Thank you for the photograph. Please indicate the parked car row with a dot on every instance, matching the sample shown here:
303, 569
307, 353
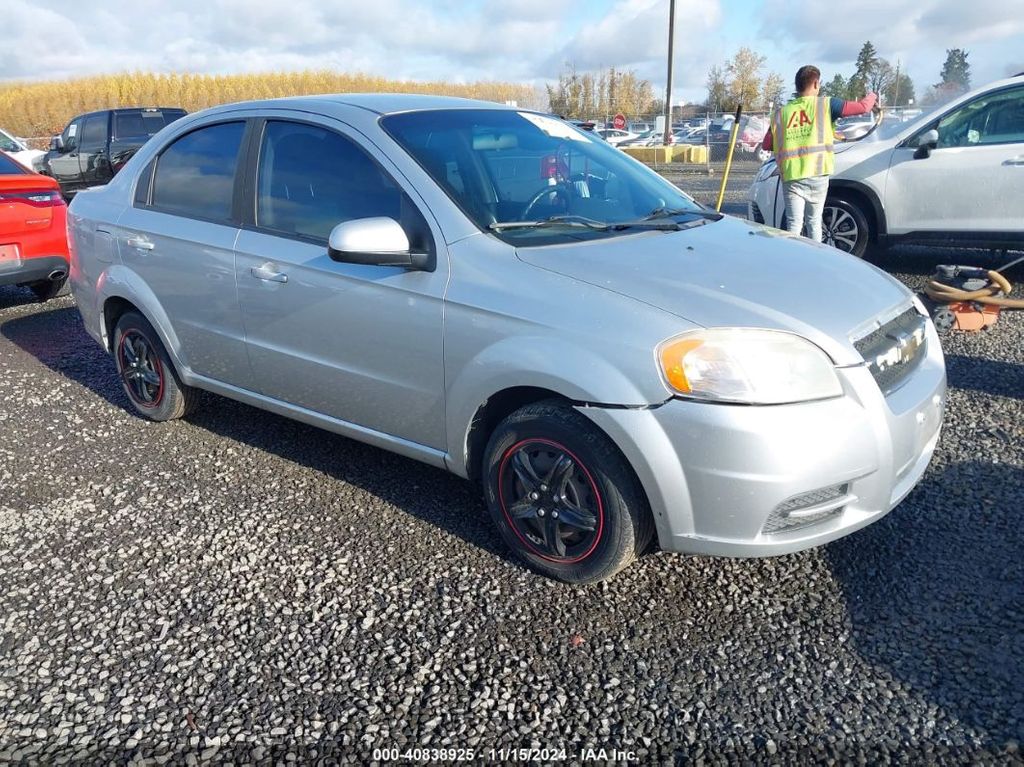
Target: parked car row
95, 146
34, 186
497, 293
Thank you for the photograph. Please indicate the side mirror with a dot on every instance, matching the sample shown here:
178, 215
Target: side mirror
376, 241
926, 144
57, 144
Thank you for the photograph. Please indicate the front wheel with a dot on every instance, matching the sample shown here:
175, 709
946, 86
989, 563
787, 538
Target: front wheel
562, 496
845, 226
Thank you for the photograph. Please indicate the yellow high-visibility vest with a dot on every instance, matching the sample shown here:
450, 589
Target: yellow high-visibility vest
802, 138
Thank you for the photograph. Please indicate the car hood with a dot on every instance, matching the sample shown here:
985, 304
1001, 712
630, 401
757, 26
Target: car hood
732, 273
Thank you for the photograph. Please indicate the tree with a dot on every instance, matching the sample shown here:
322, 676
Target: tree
956, 70
881, 76
900, 92
718, 89
867, 60
745, 76
837, 87
589, 95
773, 92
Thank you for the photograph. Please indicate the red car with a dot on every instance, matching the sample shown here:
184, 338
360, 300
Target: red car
33, 231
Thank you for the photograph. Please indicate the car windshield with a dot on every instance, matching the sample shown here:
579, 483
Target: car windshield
533, 179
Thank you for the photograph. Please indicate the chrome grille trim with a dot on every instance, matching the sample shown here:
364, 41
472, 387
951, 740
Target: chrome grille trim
894, 350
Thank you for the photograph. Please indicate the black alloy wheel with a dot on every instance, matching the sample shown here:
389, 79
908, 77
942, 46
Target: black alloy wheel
140, 369
146, 371
550, 500
561, 494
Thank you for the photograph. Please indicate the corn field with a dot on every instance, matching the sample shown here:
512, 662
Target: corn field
43, 108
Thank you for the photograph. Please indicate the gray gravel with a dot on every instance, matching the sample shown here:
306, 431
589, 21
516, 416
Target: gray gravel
241, 587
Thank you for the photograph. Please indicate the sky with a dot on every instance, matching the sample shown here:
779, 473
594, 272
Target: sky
528, 41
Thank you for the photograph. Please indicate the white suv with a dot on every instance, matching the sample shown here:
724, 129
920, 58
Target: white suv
955, 174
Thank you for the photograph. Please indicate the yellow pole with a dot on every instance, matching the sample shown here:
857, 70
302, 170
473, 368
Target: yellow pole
728, 157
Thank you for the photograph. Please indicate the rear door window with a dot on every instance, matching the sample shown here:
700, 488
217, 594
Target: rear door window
195, 175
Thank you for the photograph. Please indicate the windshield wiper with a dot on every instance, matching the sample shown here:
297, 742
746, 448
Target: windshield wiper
656, 220
579, 221
665, 212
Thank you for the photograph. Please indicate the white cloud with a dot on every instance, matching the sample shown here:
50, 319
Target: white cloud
523, 40
634, 35
917, 32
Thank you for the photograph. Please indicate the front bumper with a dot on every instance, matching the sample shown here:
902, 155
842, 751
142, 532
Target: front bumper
718, 477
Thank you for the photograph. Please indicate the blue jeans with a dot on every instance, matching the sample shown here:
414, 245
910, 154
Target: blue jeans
805, 201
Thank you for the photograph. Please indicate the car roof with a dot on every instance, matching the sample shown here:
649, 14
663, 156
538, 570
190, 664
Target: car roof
378, 103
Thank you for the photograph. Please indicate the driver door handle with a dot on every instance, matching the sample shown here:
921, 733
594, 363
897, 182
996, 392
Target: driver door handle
267, 274
1018, 160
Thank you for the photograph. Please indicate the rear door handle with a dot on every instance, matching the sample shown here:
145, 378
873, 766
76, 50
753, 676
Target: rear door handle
266, 274
140, 243
1019, 160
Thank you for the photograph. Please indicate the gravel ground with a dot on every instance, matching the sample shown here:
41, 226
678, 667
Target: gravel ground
241, 587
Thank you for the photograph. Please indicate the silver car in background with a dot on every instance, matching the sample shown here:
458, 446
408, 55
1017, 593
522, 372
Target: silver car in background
501, 295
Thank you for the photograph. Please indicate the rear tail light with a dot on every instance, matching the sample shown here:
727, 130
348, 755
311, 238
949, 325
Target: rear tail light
44, 198
549, 166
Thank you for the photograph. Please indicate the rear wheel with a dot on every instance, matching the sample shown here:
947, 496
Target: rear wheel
146, 372
562, 496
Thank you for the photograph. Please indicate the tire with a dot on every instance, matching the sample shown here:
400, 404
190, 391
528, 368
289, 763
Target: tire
47, 289
146, 372
590, 483
845, 226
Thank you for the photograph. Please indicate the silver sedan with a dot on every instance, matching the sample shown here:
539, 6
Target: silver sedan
501, 295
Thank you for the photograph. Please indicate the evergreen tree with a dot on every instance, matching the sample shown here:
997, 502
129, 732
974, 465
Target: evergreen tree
867, 61
837, 87
957, 70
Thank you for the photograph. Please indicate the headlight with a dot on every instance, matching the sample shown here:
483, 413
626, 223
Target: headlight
762, 367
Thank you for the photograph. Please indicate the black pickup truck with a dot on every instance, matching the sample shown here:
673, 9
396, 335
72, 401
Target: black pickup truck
95, 146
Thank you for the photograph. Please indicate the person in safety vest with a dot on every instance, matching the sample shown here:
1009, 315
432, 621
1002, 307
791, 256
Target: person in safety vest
801, 135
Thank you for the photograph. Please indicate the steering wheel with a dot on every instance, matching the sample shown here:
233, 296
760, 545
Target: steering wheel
559, 190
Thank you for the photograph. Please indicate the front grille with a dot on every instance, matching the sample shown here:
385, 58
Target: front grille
894, 350
755, 213
787, 515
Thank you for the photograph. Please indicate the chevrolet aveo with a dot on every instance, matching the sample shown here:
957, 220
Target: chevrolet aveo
496, 293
